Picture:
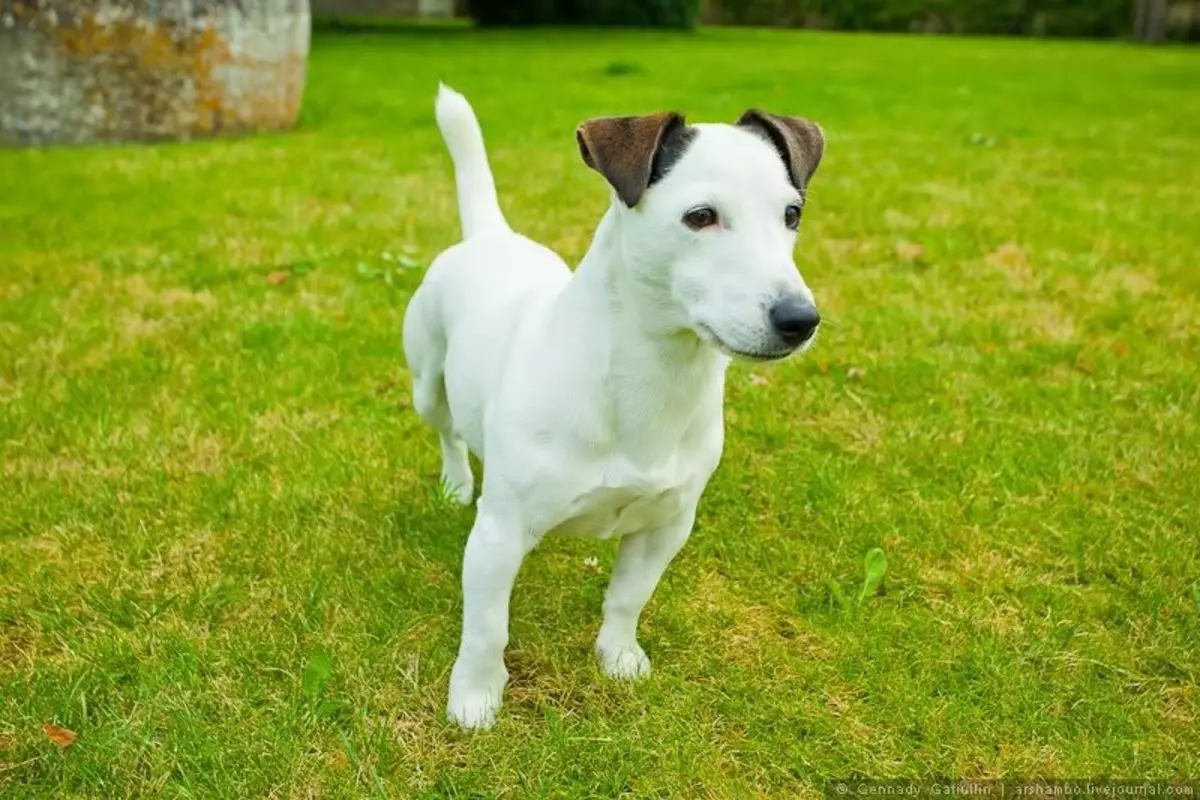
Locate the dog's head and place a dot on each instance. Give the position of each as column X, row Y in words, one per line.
column 708, row 219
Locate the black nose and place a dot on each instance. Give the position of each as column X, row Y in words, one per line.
column 795, row 320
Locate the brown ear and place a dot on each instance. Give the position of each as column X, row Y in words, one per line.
column 623, row 149
column 800, row 142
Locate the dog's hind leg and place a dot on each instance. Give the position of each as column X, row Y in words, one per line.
column 429, row 398
column 425, row 347
column 458, row 482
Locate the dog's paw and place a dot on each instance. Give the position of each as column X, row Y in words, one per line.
column 473, row 710
column 458, row 482
column 625, row 662
column 476, row 693
column 455, row 492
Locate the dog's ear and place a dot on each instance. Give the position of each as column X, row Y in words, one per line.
column 624, row 149
column 800, row 143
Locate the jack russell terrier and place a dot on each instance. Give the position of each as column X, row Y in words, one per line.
column 595, row 396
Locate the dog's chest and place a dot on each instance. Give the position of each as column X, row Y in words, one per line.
column 624, row 503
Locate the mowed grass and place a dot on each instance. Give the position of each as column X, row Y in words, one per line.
column 223, row 562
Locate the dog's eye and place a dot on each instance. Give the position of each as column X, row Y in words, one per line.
column 702, row 217
column 791, row 216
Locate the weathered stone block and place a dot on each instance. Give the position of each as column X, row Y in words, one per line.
column 119, row 70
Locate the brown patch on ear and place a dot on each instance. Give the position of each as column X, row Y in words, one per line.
column 800, row 142
column 622, row 149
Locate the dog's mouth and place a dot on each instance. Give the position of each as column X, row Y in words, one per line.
column 710, row 336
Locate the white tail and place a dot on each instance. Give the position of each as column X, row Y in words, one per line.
column 478, row 207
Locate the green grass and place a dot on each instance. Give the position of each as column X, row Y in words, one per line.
column 222, row 558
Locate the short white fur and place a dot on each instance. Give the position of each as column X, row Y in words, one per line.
column 594, row 396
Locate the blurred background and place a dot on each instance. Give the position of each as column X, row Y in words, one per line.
column 78, row 70
column 1146, row 20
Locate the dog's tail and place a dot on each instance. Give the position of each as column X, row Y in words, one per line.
column 478, row 207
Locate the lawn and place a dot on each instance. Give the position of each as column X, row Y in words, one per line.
column 224, row 563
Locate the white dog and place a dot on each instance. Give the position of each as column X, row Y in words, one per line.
column 595, row 397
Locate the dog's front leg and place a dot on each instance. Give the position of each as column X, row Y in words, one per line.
column 641, row 561
column 493, row 557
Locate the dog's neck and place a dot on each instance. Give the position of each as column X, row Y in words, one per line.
column 657, row 374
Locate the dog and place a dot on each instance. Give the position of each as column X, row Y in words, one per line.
column 595, row 397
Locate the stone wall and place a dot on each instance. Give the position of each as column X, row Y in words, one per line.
column 115, row 70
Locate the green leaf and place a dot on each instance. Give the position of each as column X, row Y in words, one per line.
column 875, row 566
column 316, row 674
